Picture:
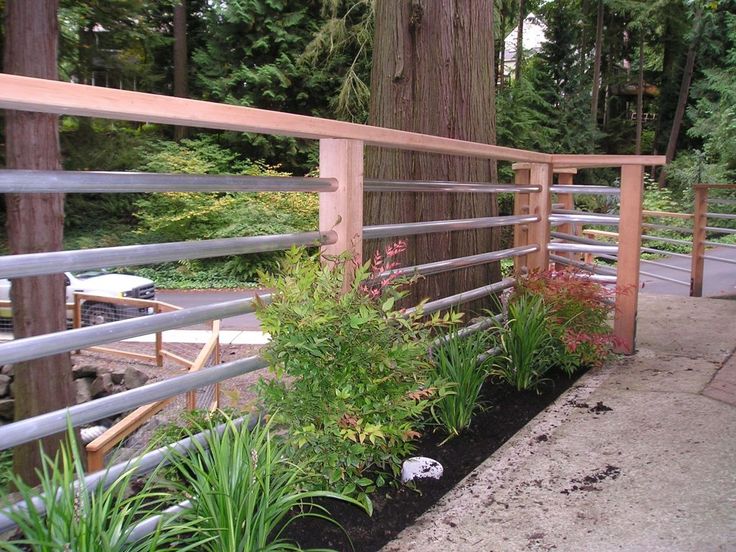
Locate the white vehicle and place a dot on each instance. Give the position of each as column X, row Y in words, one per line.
column 99, row 283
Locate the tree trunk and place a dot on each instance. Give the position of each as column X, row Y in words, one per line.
column 520, row 40
column 597, row 64
column 687, row 77
column 640, row 96
column 181, row 88
column 35, row 222
column 433, row 73
column 502, row 50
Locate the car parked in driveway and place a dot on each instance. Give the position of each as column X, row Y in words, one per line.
column 103, row 284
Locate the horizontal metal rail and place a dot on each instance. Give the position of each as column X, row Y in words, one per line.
column 665, row 265
column 663, row 252
column 139, row 465
column 464, row 297
column 581, row 248
column 39, row 346
column 577, row 239
column 665, row 278
column 23, row 181
column 719, row 244
column 30, row 429
column 721, row 201
column 416, row 228
column 460, row 262
column 595, row 269
column 666, row 240
column 719, row 259
column 719, row 230
column 482, row 324
column 603, row 278
column 605, row 220
column 34, row 264
column 587, row 190
column 442, row 186
column 678, row 268
column 679, row 229
column 725, row 216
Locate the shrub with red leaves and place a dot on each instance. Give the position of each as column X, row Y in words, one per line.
column 579, row 310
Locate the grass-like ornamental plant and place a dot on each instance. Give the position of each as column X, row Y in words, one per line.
column 81, row 519
column 243, row 491
column 526, row 344
column 578, row 310
column 352, row 374
column 456, row 362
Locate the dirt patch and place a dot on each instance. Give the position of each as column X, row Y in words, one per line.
column 397, row 508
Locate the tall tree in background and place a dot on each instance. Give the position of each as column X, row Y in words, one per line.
column 181, row 67
column 687, row 77
column 35, row 223
column 433, row 73
column 597, row 63
column 520, row 40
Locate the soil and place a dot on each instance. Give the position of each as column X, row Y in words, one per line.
column 397, row 508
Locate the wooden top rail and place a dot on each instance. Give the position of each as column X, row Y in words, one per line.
column 63, row 98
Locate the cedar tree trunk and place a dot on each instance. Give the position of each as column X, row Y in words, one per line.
column 597, row 64
column 433, row 73
column 35, row 223
column 181, row 88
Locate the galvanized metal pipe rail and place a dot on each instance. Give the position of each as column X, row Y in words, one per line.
column 39, row 346
column 719, row 230
column 603, row 220
column 416, row 228
column 595, row 269
column 657, row 276
column 666, row 240
column 445, row 186
column 581, row 248
column 585, row 190
column 459, row 262
column 27, row 181
column 464, row 297
column 30, row 429
column 724, row 216
column 663, row 252
column 35, row 264
column 719, row 259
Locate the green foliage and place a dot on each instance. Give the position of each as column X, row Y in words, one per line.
column 526, row 344
column 352, row 377
column 456, row 363
column 577, row 311
column 179, row 216
column 6, row 471
column 243, row 490
column 82, row 519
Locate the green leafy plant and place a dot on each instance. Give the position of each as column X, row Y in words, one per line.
column 578, row 310
column 526, row 344
column 353, row 378
column 242, row 491
column 458, row 363
column 82, row 519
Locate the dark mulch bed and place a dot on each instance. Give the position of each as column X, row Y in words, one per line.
column 397, row 508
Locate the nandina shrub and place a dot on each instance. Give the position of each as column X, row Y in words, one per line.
column 352, row 374
column 578, row 313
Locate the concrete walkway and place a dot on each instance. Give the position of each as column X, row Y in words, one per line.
column 639, row 456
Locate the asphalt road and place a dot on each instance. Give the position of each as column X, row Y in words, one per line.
column 719, row 279
column 196, row 298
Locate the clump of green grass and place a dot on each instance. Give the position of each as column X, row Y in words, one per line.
column 457, row 363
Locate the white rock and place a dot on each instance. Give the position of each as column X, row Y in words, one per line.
column 420, row 467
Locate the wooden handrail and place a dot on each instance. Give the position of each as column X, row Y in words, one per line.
column 63, row 98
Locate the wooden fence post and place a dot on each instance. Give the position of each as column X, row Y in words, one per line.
column 521, row 207
column 159, row 340
column 540, row 204
column 629, row 244
column 700, row 221
column 564, row 178
column 342, row 210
